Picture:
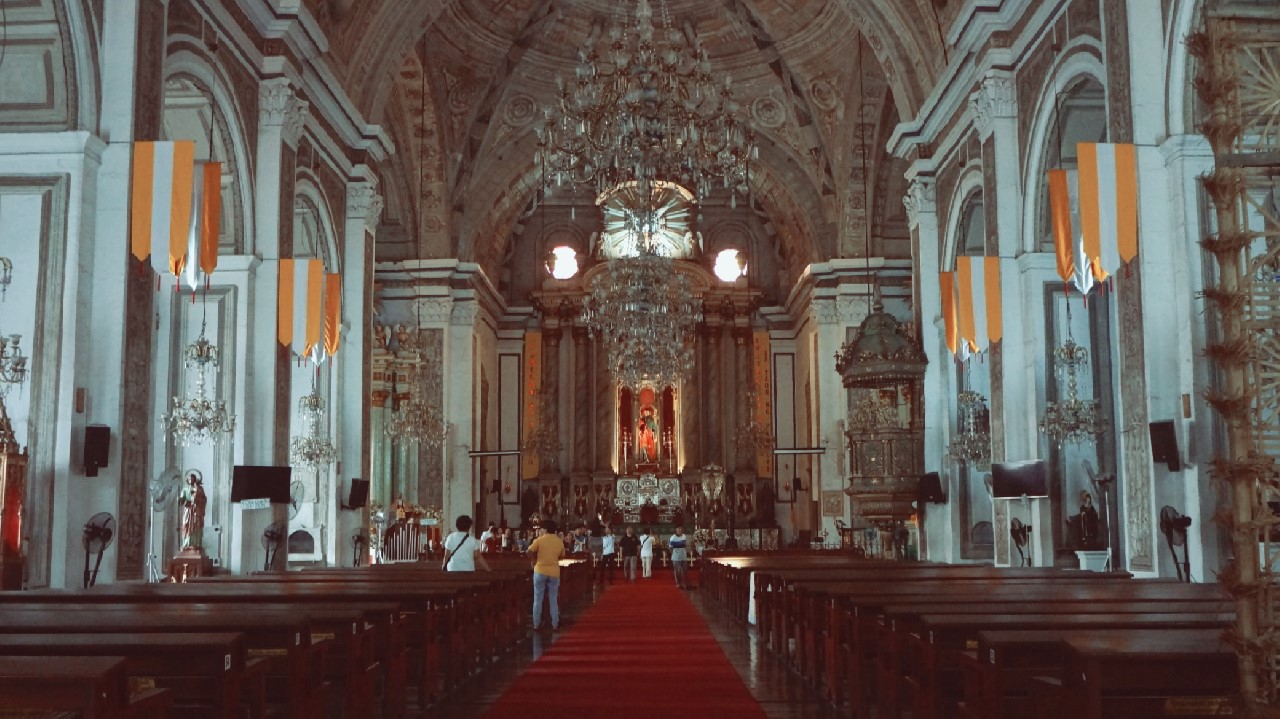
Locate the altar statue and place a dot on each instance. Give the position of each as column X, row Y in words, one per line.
column 193, row 501
column 647, row 437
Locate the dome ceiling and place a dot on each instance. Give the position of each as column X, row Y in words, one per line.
column 492, row 64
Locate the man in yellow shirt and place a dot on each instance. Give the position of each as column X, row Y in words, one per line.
column 546, row 551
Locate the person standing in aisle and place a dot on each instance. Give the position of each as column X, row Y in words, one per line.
column 546, row 551
column 629, row 545
column 608, row 554
column 461, row 550
column 679, row 545
column 646, row 552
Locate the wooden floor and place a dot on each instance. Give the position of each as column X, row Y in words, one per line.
column 779, row 692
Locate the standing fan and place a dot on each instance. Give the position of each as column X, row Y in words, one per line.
column 98, row 533
column 272, row 536
column 1174, row 527
column 1020, row 532
column 359, row 543
column 379, row 520
column 297, row 495
column 160, row 490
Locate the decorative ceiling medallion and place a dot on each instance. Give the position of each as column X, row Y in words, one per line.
column 768, row 112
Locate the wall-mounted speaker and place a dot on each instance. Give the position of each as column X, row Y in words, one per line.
column 359, row 494
column 1164, row 445
column 97, row 445
column 931, row 489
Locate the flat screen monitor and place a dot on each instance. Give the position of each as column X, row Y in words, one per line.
column 1019, row 479
column 255, row 482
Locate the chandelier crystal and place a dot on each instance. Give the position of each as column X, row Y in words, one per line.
column 199, row 419
column 312, row 449
column 645, row 311
column 1072, row 419
column 972, row 444
column 642, row 106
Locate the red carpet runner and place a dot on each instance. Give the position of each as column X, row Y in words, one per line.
column 641, row 651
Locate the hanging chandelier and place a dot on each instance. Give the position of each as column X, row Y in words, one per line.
column 417, row 422
column 644, row 108
column 752, row 435
column 645, row 312
column 1072, row 419
column 199, row 419
column 972, row 444
column 544, row 440
column 312, row 449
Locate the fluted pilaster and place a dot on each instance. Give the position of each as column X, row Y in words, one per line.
column 581, row 401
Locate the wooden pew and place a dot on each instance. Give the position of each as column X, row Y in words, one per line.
column 204, row 672
column 998, row 673
column 933, row 645
column 92, row 687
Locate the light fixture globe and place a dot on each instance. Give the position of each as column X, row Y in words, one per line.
column 730, row 265
column 562, row 262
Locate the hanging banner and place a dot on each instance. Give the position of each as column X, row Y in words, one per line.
column 1108, row 204
column 994, row 302
column 1075, row 265
column 175, row 208
column 284, row 303
column 762, row 377
column 532, row 390
column 964, row 305
column 332, row 313
column 301, row 307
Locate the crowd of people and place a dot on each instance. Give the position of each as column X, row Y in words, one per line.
column 546, row 545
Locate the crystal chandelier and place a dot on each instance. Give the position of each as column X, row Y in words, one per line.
column 751, row 435
column 972, row 444
column 640, row 108
column 417, row 422
column 645, row 311
column 545, row 439
column 1073, row 419
column 199, row 419
column 313, row 449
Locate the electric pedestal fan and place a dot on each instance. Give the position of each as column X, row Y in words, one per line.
column 359, row 544
column 272, row 536
column 1173, row 525
column 1019, row 532
column 98, row 533
column 161, row 491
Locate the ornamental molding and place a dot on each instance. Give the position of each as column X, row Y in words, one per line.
column 465, row 313
column 435, row 309
column 364, row 203
column 995, row 99
column 279, row 106
column 921, row 199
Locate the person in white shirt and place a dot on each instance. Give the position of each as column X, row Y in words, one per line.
column 608, row 555
column 461, row 550
column 679, row 545
column 646, row 552
column 485, row 538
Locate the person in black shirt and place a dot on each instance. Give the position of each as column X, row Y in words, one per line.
column 629, row 545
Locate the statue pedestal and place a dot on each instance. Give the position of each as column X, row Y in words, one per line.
column 190, row 563
column 1095, row 560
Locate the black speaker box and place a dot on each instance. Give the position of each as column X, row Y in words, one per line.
column 260, row 482
column 97, row 445
column 359, row 494
column 931, row 489
column 1164, row 445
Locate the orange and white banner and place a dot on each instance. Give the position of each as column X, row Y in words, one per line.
column 175, row 205
column 1094, row 213
column 302, row 307
column 971, row 304
column 332, row 312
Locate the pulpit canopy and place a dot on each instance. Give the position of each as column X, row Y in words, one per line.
column 880, row 353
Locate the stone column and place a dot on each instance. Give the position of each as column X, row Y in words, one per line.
column 689, row 402
column 581, row 401
column 743, row 452
column 713, row 427
column 605, row 401
column 549, row 402
column 460, row 492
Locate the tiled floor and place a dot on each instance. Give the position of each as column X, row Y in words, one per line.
column 779, row 692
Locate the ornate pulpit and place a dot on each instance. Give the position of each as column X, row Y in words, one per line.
column 882, row 368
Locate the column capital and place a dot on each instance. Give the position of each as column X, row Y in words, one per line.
column 921, row 199
column 364, row 203
column 280, row 106
column 996, row 98
column 464, row 314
